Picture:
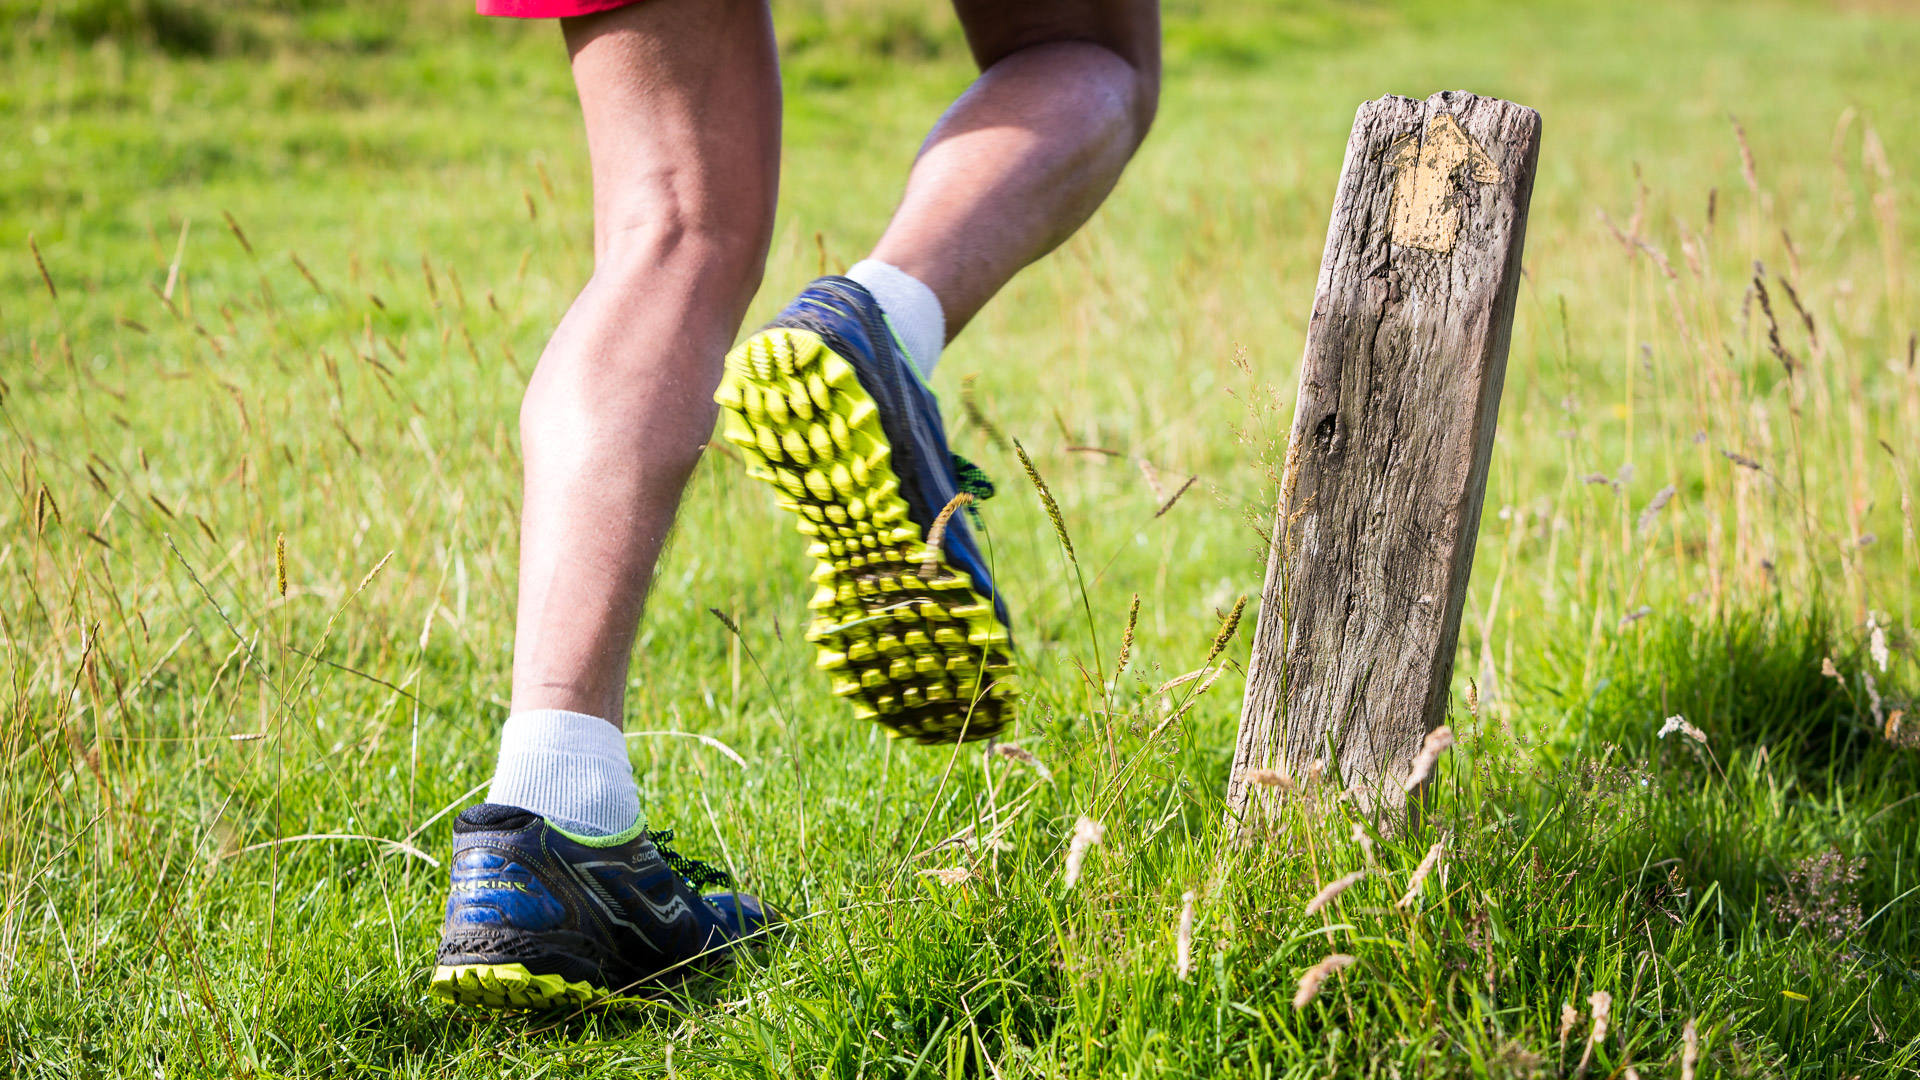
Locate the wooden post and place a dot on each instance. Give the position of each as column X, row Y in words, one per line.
column 1393, row 428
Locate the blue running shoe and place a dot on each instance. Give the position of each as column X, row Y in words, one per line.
column 828, row 408
column 539, row 918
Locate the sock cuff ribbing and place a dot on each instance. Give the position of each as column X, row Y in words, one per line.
column 569, row 768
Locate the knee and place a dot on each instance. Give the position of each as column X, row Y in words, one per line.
column 718, row 258
column 1145, row 97
column 1116, row 43
column 1127, row 78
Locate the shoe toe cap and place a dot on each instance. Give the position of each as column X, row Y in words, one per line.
column 744, row 914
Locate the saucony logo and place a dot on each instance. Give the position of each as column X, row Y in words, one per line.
column 670, row 912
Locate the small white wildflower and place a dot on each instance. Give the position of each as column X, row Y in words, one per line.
column 1317, row 974
column 1679, row 724
column 1569, row 1016
column 1690, row 1052
column 1873, row 698
column 1877, row 643
column 1086, row 833
column 1333, row 890
column 1183, row 938
column 1438, row 740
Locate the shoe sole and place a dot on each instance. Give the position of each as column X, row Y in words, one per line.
column 507, row 986
column 904, row 635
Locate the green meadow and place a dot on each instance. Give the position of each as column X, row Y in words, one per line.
column 274, row 272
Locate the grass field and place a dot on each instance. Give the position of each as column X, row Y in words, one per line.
column 300, row 256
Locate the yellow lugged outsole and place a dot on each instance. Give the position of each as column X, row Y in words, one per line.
column 507, row 986
column 903, row 635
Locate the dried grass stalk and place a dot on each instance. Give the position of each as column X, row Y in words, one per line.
column 937, row 536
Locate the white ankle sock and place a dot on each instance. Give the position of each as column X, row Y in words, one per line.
column 569, row 768
column 917, row 317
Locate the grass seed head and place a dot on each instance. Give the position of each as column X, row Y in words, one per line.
column 1365, row 841
column 951, row 875
column 1421, row 872
column 1024, row 757
column 1086, row 833
column 1126, row 639
column 1332, row 891
column 1272, row 778
column 1318, row 974
column 1877, row 643
column 1602, row 1004
column 1654, row 506
column 1227, row 629
column 1689, row 1049
column 1046, row 500
column 1569, row 1016
column 1679, row 724
column 1436, row 743
column 280, row 564
column 1183, row 938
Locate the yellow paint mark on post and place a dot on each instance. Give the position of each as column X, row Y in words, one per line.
column 1429, row 173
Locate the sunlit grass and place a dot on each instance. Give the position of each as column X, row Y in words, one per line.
column 339, row 361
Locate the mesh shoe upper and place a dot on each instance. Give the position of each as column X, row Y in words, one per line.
column 610, row 912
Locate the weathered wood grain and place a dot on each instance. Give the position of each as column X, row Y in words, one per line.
column 1393, row 427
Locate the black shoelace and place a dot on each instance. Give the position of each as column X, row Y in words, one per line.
column 695, row 873
column 973, row 481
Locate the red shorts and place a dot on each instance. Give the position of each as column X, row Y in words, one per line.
column 546, row 9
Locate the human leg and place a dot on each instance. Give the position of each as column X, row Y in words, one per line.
column 829, row 402
column 681, row 101
column 1067, row 91
column 558, row 893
